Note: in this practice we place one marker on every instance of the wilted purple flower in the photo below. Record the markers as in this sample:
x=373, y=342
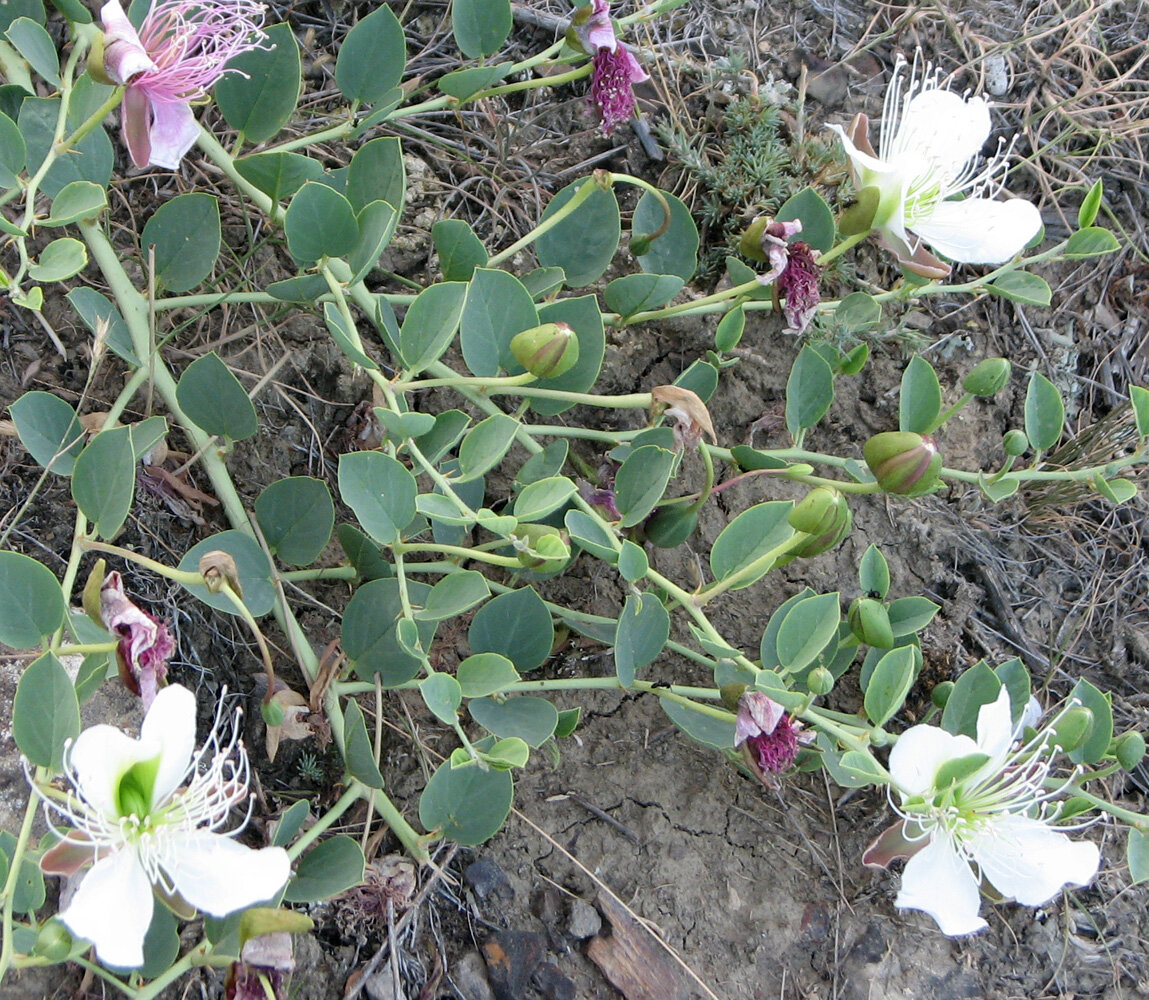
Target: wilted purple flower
x=145, y=644
x=771, y=739
x=264, y=969
x=798, y=285
x=599, y=497
x=616, y=69
x=793, y=271
x=181, y=50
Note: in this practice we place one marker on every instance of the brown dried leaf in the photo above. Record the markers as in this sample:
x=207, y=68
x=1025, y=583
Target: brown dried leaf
x=686, y=406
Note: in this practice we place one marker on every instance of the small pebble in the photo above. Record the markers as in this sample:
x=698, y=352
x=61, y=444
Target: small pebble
x=470, y=978
x=512, y=957
x=585, y=921
x=552, y=984
x=487, y=879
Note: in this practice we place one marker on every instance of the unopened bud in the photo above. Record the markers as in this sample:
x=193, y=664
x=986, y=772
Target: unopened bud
x=820, y=681
x=536, y=545
x=53, y=941
x=826, y=519
x=870, y=622
x=640, y=244
x=546, y=351
x=987, y=378
x=904, y=463
x=1015, y=443
x=1072, y=728
x=272, y=712
x=261, y=920
x=940, y=695
x=1129, y=749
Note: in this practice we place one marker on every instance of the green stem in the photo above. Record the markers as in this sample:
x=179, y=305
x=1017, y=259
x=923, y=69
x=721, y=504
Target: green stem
x=719, y=300
x=328, y=573
x=1135, y=820
x=750, y=571
x=513, y=385
x=15, y=863
x=589, y=186
x=966, y=397
x=841, y=248
x=94, y=120
x=459, y=552
x=195, y=956
x=180, y=576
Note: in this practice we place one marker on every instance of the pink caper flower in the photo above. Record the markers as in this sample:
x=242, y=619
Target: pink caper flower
x=145, y=644
x=771, y=739
x=793, y=271
x=181, y=50
x=616, y=69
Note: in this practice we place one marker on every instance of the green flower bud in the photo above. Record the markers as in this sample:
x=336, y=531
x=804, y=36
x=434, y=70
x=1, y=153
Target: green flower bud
x=820, y=681
x=546, y=351
x=940, y=695
x=826, y=519
x=1129, y=749
x=987, y=378
x=272, y=712
x=870, y=622
x=904, y=463
x=536, y=545
x=640, y=244
x=1015, y=443
x=53, y=941
x=751, y=243
x=1072, y=728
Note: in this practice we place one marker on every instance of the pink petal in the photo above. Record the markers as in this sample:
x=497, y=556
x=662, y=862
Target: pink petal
x=173, y=132
x=124, y=53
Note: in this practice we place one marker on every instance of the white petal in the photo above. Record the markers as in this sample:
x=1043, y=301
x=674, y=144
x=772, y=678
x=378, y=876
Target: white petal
x=1029, y=862
x=980, y=230
x=995, y=728
x=170, y=722
x=938, y=881
x=124, y=53
x=944, y=127
x=219, y=876
x=100, y=757
x=112, y=909
x=920, y=751
x=173, y=132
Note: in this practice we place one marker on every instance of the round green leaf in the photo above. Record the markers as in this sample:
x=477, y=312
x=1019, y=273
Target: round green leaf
x=484, y=674
x=99, y=315
x=1095, y=747
x=1044, y=413
x=430, y=324
x=259, y=98
x=358, y=751
x=634, y=292
x=453, y=595
x=806, y=630
x=817, y=220
x=12, y=152
x=49, y=429
x=920, y=401
x=381, y=492
x=31, y=602
x=90, y=159
x=809, y=390
x=33, y=42
x=369, y=635
x=278, y=175
x=59, y=260
x=632, y=562
x=702, y=727
x=480, y=26
x=1021, y=286
x=212, y=398
x=464, y=83
x=516, y=625
x=335, y=865
x=252, y=567
x=641, y=481
x=320, y=222
x=643, y=628
x=857, y=312
x=1090, y=242
x=889, y=684
x=104, y=480
x=377, y=173
x=13, y=9
x=466, y=804
x=460, y=250
x=584, y=243
x=76, y=201
x=730, y=329
x=442, y=695
x=372, y=58
x=542, y=497
x=498, y=307
x=531, y=720
x=750, y=535
x=296, y=516
x=676, y=250
x=185, y=233
x=485, y=445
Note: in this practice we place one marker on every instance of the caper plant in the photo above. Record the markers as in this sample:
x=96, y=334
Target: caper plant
x=981, y=784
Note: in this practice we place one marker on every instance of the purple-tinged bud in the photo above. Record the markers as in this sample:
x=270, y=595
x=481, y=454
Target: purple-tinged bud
x=870, y=622
x=987, y=378
x=546, y=351
x=904, y=463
